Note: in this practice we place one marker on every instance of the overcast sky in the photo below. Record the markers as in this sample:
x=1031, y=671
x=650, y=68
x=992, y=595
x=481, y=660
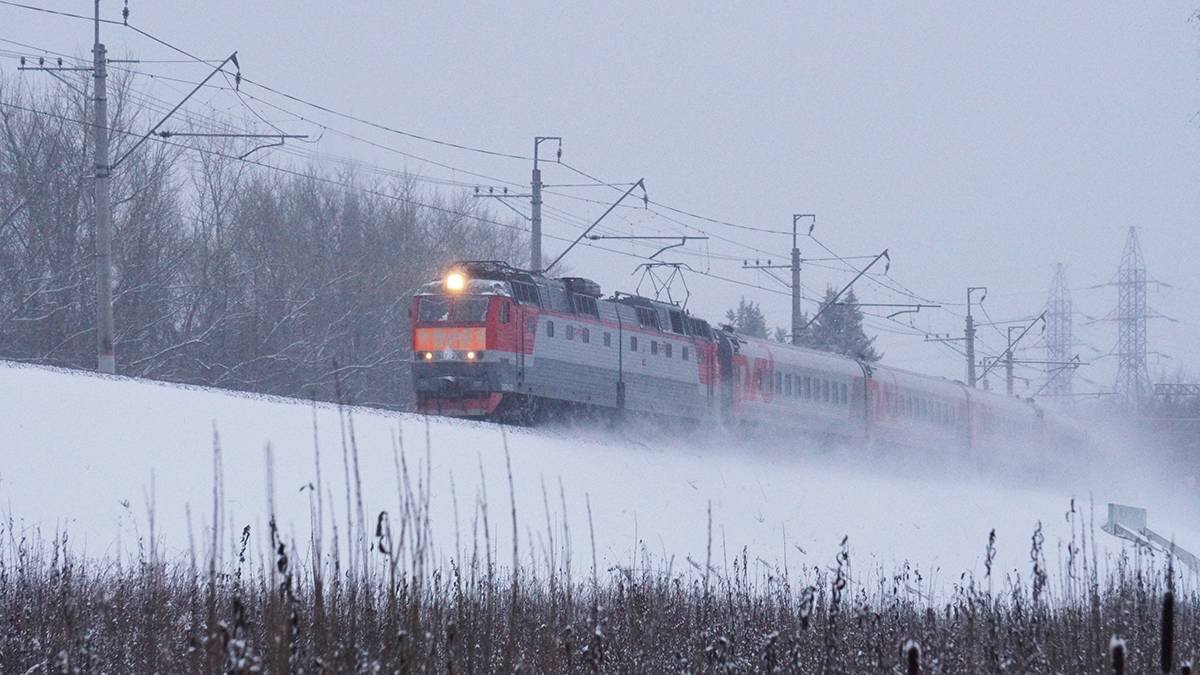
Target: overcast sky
x=980, y=143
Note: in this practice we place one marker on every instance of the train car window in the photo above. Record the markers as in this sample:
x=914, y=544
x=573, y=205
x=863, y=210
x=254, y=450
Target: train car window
x=698, y=328
x=807, y=388
x=654, y=347
x=787, y=385
x=684, y=353
x=570, y=332
x=676, y=322
x=845, y=394
x=825, y=391
x=525, y=293
x=647, y=317
x=549, y=329
x=667, y=347
x=607, y=339
x=586, y=304
x=633, y=343
x=585, y=335
x=778, y=382
x=504, y=312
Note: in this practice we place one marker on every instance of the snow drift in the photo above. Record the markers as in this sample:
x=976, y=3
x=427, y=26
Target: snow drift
x=96, y=455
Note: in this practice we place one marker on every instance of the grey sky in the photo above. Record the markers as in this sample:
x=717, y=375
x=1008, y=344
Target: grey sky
x=980, y=143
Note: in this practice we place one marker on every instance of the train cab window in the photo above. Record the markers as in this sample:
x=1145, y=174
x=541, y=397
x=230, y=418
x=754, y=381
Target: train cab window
x=667, y=348
x=684, y=353
x=525, y=293
x=570, y=332
x=585, y=304
x=697, y=328
x=654, y=347
x=585, y=335
x=647, y=317
x=607, y=339
x=633, y=343
x=549, y=329
x=676, y=322
x=504, y=311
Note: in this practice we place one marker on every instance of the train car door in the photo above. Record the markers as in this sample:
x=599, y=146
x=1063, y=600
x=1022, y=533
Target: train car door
x=725, y=369
x=521, y=330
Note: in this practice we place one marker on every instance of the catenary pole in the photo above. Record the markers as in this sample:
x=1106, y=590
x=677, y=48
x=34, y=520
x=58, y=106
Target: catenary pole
x=970, y=334
x=797, y=318
x=535, y=211
x=106, y=360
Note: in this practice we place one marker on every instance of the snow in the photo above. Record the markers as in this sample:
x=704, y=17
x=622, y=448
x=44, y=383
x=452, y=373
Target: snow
x=93, y=455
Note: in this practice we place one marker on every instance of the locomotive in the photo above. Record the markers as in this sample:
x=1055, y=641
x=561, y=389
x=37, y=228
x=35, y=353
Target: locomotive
x=495, y=342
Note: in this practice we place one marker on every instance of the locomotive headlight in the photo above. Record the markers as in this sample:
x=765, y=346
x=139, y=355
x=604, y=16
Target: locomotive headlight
x=471, y=356
x=455, y=282
x=428, y=356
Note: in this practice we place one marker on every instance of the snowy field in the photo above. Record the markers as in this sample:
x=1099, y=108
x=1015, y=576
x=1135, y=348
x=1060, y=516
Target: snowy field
x=95, y=455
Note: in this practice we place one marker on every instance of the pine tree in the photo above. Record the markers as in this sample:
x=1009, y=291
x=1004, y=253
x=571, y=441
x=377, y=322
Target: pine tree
x=748, y=319
x=839, y=329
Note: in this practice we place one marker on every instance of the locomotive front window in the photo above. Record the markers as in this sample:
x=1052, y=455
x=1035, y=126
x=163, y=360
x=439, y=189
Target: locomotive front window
x=460, y=309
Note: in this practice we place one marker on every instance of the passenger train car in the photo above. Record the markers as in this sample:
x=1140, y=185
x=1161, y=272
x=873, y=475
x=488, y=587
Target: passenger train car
x=492, y=341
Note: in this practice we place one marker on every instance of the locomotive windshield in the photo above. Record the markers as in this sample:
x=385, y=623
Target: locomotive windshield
x=467, y=309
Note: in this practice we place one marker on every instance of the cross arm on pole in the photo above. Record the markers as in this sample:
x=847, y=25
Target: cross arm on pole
x=641, y=182
x=232, y=58
x=845, y=288
x=1039, y=317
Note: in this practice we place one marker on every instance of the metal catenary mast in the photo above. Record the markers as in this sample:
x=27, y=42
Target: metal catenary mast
x=1059, y=338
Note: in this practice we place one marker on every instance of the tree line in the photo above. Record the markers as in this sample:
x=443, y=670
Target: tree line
x=226, y=273
x=836, y=327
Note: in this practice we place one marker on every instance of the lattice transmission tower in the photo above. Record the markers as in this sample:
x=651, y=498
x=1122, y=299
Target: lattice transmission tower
x=1133, y=377
x=1059, y=339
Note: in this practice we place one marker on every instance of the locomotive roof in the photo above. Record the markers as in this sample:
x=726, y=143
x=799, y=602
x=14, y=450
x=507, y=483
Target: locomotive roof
x=502, y=271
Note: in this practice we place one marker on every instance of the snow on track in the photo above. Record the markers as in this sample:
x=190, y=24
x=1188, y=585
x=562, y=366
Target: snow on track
x=78, y=452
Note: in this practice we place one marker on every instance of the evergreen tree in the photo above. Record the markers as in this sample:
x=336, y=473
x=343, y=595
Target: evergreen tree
x=748, y=319
x=839, y=329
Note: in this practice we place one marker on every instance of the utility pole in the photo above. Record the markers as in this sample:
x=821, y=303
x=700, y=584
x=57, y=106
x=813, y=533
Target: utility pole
x=105, y=352
x=102, y=171
x=535, y=218
x=1008, y=365
x=1133, y=379
x=106, y=360
x=797, y=315
x=970, y=333
x=1059, y=340
x=1008, y=358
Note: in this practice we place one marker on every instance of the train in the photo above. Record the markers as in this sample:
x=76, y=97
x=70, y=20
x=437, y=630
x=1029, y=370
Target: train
x=495, y=342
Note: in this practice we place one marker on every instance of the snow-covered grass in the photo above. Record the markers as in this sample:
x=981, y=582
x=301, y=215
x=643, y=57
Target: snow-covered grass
x=66, y=614
x=362, y=537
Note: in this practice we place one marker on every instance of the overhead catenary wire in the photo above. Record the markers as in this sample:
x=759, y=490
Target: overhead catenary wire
x=351, y=187
x=902, y=290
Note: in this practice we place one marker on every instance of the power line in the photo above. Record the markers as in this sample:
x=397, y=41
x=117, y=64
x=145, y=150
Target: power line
x=350, y=187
